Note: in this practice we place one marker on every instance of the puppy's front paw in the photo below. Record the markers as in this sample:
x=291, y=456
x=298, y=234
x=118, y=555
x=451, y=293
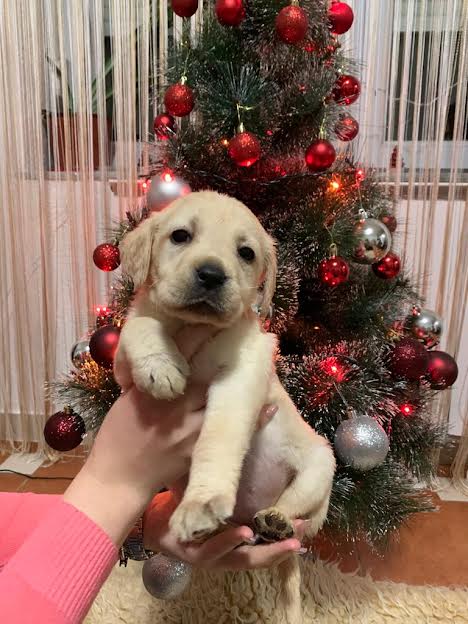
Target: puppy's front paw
x=163, y=375
x=195, y=519
x=272, y=525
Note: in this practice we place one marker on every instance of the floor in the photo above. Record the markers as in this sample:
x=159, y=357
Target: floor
x=432, y=550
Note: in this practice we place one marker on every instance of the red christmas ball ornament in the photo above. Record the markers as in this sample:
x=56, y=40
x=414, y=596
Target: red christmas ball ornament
x=106, y=257
x=346, y=128
x=185, y=8
x=179, y=100
x=244, y=149
x=230, y=12
x=442, y=370
x=292, y=24
x=333, y=271
x=346, y=90
x=64, y=430
x=164, y=126
x=408, y=359
x=103, y=345
x=388, y=267
x=320, y=155
x=341, y=17
x=390, y=221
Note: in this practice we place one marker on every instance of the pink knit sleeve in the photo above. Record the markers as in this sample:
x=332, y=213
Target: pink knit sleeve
x=20, y=513
x=57, y=572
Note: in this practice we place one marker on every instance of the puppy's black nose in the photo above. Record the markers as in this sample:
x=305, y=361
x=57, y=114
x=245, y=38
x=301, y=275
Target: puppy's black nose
x=210, y=276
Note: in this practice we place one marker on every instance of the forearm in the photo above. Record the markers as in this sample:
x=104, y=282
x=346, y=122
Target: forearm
x=114, y=508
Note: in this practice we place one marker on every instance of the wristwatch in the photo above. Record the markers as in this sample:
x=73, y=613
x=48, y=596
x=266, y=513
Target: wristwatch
x=133, y=548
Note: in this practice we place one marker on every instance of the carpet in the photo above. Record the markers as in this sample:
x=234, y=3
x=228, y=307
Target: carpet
x=329, y=597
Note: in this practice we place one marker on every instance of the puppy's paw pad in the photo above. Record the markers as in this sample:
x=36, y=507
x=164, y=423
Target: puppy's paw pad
x=273, y=525
x=162, y=375
x=194, y=519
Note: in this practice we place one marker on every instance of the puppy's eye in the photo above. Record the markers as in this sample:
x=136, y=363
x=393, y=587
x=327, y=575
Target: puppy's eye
x=181, y=236
x=247, y=254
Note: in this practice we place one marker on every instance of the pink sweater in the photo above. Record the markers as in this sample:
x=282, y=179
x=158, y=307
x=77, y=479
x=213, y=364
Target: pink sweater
x=53, y=560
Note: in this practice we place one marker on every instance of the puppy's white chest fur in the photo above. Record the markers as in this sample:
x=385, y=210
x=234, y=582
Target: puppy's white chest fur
x=233, y=347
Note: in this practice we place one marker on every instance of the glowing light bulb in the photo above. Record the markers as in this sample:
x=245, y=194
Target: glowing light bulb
x=168, y=176
x=407, y=409
x=331, y=366
x=360, y=175
x=334, y=186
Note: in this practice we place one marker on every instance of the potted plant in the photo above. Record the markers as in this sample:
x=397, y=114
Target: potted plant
x=65, y=127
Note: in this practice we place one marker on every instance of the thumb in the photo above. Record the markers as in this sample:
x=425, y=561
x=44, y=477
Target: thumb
x=266, y=414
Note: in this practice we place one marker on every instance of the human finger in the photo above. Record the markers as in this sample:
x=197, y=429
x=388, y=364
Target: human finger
x=266, y=414
x=221, y=544
x=300, y=528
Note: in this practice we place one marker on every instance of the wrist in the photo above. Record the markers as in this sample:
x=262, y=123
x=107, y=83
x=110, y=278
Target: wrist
x=114, y=507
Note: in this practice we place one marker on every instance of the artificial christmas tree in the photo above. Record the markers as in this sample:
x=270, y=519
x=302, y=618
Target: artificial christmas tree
x=269, y=88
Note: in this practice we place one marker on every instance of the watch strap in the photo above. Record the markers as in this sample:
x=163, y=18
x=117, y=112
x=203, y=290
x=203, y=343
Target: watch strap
x=133, y=548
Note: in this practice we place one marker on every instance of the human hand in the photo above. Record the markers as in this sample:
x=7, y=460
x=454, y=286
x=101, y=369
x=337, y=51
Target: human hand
x=229, y=550
x=142, y=444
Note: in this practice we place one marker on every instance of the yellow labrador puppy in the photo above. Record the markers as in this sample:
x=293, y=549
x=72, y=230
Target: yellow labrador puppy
x=205, y=259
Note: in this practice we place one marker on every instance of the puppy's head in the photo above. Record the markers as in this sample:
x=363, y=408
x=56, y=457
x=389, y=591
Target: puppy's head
x=203, y=259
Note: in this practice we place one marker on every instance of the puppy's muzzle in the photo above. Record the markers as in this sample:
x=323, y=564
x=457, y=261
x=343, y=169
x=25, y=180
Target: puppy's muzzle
x=210, y=277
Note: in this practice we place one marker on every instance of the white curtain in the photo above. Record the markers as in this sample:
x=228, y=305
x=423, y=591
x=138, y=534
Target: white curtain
x=54, y=82
x=60, y=190
x=414, y=57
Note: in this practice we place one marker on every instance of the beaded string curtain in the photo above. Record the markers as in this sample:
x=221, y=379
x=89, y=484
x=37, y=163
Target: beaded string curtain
x=77, y=77
x=76, y=84
x=415, y=79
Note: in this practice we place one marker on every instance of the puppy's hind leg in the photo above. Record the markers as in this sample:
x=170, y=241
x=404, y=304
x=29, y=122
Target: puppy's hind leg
x=307, y=496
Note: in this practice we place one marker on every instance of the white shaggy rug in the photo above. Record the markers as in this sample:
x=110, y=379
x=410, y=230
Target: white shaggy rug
x=329, y=597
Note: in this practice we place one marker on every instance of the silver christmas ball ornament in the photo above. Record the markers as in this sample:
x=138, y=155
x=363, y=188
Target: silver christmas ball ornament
x=166, y=578
x=425, y=326
x=373, y=240
x=80, y=353
x=361, y=443
x=165, y=188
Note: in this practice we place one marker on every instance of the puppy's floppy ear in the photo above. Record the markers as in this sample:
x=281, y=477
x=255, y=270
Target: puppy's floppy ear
x=135, y=250
x=270, y=270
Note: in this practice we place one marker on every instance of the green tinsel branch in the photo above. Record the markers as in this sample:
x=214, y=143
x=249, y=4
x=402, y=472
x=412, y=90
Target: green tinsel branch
x=373, y=505
x=90, y=392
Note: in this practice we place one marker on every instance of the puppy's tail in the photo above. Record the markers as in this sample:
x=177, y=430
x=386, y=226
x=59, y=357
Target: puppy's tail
x=290, y=582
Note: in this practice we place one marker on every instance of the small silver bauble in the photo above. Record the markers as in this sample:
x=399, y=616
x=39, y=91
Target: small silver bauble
x=425, y=326
x=165, y=577
x=80, y=353
x=361, y=443
x=165, y=188
x=373, y=241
